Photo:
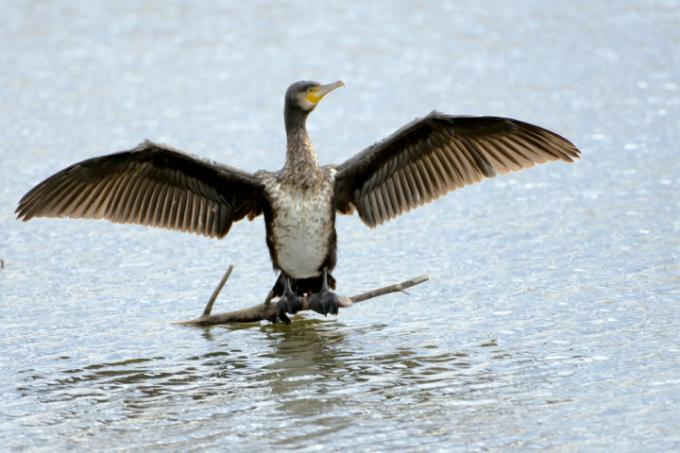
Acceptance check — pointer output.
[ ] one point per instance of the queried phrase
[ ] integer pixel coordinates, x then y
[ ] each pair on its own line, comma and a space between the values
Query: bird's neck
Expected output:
301, 160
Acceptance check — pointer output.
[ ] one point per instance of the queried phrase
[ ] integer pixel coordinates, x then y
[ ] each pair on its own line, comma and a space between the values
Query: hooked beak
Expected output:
322, 90
325, 89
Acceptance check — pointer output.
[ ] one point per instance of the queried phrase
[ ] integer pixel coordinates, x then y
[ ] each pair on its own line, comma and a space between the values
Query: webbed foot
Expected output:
288, 303
324, 302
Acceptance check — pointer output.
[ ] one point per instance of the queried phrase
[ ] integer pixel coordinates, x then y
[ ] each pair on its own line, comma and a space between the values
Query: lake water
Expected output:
552, 315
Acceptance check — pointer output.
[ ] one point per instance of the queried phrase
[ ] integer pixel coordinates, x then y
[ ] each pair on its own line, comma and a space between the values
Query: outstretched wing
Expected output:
151, 185
433, 155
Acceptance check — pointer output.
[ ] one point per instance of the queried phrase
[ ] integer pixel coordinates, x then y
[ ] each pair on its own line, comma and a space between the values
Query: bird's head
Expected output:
306, 95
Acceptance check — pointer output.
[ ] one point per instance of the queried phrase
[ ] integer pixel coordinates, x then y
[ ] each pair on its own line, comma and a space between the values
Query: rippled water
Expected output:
551, 318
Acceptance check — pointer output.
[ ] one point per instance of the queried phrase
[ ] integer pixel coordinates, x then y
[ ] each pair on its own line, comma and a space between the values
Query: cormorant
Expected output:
159, 186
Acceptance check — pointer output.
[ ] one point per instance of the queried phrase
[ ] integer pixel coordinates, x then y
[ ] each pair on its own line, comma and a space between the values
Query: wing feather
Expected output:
151, 185
431, 156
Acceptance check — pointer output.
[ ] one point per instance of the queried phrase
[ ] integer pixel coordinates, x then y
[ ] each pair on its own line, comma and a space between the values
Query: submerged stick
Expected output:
269, 311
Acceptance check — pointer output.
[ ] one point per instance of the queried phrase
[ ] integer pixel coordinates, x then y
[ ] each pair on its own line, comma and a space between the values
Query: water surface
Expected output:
551, 318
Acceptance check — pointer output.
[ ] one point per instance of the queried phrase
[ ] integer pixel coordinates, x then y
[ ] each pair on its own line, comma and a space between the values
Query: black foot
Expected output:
324, 302
288, 303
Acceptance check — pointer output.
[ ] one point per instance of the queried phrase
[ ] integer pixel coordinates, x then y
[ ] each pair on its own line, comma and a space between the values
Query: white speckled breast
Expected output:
301, 225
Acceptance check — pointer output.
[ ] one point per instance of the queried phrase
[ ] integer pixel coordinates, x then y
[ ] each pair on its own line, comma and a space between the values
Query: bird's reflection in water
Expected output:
311, 359
322, 372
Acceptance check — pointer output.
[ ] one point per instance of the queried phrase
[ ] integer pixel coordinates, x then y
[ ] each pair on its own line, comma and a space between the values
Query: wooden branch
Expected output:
269, 311
220, 285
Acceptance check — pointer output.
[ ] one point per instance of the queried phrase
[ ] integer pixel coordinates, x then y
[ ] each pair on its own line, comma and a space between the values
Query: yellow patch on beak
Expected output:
315, 94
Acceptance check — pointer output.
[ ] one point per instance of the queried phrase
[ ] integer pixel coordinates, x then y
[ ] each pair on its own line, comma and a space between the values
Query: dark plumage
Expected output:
159, 186
431, 156
151, 185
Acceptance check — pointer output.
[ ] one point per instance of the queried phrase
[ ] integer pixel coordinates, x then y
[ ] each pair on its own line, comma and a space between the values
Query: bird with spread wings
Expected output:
159, 186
